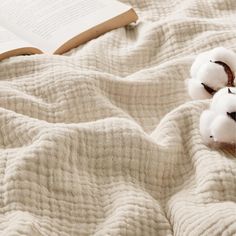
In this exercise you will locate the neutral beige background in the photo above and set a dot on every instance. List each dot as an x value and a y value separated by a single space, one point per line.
106 141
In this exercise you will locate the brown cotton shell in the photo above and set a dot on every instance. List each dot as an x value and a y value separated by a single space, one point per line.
229 73
208 89
232 115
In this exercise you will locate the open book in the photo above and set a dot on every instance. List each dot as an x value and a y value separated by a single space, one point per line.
56 26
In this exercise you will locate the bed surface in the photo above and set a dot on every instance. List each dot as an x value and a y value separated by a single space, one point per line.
105 139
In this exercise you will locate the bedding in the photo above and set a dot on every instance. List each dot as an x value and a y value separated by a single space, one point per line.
105 140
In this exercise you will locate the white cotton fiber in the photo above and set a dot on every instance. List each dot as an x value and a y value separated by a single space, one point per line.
220 93
226 104
223 129
218 123
225 55
200 60
224 101
210 69
196 90
205 122
213 75
217 54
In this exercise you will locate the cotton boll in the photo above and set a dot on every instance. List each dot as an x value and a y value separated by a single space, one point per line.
217 54
200 60
211 71
224 105
223 101
223 129
205 122
218 124
196 89
213 75
225 55
220 93
217 98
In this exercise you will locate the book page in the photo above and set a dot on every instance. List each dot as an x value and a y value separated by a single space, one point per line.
9 41
11 45
49 24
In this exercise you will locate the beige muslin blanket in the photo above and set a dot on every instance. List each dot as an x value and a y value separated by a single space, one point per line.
105 140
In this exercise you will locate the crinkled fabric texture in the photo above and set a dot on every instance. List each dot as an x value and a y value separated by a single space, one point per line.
105 139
